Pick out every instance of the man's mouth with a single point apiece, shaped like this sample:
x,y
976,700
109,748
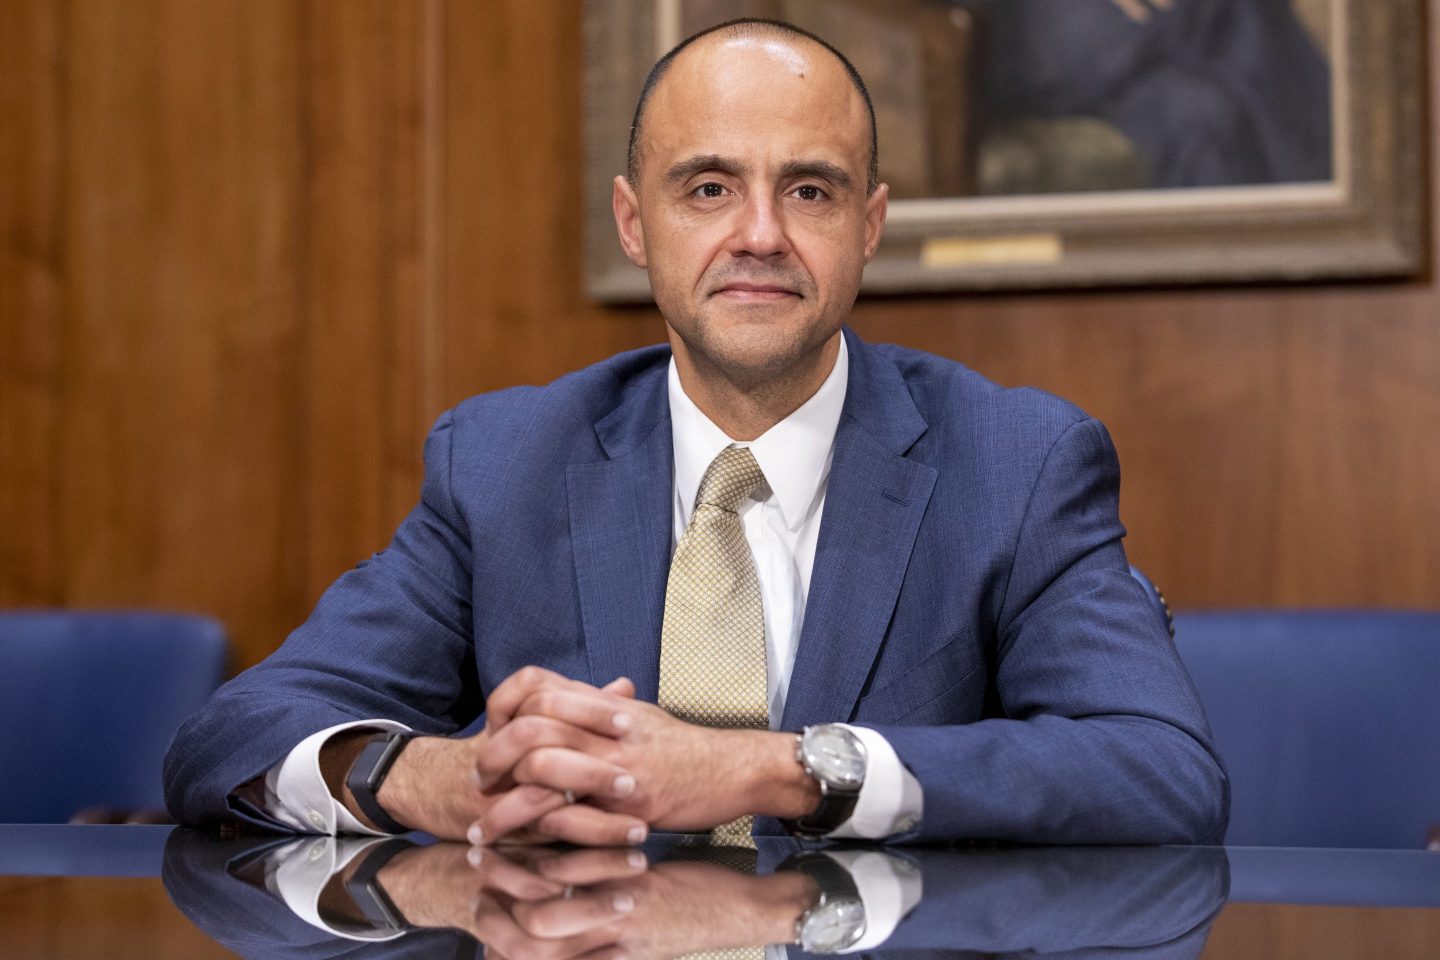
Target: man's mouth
x,y
755,292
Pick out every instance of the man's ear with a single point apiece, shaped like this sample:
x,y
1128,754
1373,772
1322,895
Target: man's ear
x,y
627,220
876,206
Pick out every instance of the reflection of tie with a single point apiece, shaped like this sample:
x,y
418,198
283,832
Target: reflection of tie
x,y
712,646
724,852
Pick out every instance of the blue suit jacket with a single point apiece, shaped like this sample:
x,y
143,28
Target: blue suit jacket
x,y
970,600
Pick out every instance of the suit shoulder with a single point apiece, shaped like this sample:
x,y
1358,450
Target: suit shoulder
x,y
568,406
950,394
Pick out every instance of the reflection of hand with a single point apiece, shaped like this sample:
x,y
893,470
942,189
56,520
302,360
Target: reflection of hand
x,y
556,905
433,784
496,898
1140,10
686,777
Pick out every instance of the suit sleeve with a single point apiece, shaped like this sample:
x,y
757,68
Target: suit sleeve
x,y
390,639
1099,736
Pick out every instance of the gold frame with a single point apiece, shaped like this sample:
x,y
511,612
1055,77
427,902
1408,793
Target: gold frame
x,y
1368,222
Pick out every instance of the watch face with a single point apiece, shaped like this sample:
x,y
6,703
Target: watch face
x,y
835,754
834,926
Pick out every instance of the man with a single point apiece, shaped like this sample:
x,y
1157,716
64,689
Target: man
x,y
895,542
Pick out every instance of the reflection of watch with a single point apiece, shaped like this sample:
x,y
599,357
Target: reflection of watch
x,y
369,896
835,757
837,920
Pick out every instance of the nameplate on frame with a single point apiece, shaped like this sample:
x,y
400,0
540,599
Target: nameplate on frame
x,y
942,252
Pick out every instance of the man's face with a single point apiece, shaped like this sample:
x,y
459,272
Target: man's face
x,y
750,211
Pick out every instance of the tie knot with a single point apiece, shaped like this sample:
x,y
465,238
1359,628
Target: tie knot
x,y
731,477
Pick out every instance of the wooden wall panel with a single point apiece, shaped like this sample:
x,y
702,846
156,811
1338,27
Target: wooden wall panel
x,y
370,133
151,308
513,305
249,250
181,311
219,301
31,152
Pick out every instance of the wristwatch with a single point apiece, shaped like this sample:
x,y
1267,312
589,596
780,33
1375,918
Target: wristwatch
x,y
836,922
835,758
369,771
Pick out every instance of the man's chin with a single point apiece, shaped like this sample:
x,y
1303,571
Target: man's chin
x,y
754,351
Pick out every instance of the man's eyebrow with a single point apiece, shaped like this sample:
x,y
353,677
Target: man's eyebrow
x,y
820,169
700,163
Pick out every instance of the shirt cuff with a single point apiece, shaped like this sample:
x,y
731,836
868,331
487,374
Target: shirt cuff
x,y
891,800
295,791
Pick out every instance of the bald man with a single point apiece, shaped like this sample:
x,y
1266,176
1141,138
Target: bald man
x,y
952,645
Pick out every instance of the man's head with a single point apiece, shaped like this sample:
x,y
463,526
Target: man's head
x,y
751,201
751,26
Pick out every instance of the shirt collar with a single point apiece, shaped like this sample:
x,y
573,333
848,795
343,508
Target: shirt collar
x,y
794,454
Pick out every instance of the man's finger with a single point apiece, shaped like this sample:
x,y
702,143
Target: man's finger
x,y
526,733
513,810
585,707
500,705
587,826
621,687
582,775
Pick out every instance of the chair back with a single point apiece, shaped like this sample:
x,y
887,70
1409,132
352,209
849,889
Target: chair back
x,y
89,703
1328,722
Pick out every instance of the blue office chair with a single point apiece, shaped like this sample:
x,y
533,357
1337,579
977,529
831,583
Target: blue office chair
x,y
89,703
1327,721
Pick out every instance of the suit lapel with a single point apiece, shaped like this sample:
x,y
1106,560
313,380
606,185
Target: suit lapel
x,y
873,506
620,519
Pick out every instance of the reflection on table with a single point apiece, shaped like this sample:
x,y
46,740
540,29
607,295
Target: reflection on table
x,y
323,897
70,891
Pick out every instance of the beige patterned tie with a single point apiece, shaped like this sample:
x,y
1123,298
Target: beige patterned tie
x,y
712,646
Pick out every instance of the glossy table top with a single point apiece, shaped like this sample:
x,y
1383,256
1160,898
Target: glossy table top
x,y
123,891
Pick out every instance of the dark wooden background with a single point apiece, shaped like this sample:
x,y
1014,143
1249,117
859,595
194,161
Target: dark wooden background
x,y
250,248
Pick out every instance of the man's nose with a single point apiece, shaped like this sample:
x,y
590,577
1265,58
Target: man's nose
x,y
760,228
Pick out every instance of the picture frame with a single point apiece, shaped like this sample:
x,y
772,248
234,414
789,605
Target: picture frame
x,y
1367,221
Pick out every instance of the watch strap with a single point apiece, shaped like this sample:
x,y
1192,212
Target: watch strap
x,y
368,773
834,809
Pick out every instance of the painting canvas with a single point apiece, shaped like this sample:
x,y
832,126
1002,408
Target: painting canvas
x,y
1078,143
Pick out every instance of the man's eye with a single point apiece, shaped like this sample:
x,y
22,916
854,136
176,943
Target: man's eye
x,y
810,193
710,191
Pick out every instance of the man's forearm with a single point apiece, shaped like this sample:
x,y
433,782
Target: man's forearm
x,y
773,779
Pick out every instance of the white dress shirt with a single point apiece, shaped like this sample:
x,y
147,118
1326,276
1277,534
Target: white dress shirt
x,y
782,526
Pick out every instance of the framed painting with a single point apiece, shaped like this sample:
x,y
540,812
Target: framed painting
x,y
1035,144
